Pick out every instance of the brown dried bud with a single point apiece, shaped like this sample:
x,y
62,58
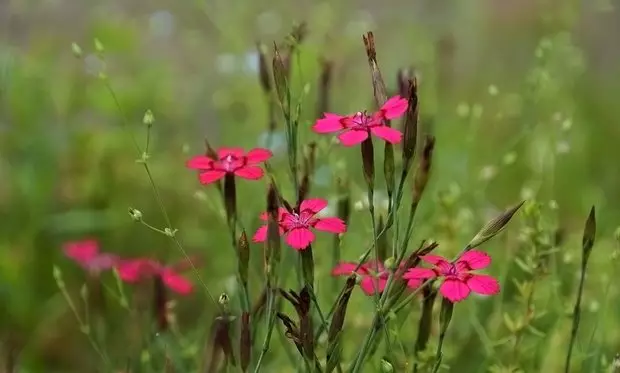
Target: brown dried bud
x,y
263,68
335,329
368,162
324,88
493,227
245,342
301,302
244,258
291,332
589,234
410,126
422,173
402,79
221,341
380,92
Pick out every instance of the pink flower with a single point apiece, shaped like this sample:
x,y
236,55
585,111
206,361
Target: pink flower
x,y
297,226
230,161
368,273
86,253
459,281
136,270
356,128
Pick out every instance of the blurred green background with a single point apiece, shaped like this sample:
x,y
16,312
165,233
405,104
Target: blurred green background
x,y
521,95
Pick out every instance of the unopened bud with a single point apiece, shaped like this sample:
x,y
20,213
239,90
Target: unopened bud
x,y
77,50
136,215
148,118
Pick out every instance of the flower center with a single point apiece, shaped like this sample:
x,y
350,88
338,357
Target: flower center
x,y
230,163
361,120
301,220
452,271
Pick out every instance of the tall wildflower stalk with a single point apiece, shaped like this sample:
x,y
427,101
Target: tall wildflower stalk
x,y
589,235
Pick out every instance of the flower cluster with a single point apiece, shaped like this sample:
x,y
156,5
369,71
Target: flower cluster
x,y
88,255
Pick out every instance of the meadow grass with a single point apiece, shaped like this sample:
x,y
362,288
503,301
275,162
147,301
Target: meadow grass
x,y
94,140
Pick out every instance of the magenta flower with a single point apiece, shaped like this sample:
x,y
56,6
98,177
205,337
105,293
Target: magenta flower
x,y
356,128
141,269
230,161
459,281
297,226
86,253
368,272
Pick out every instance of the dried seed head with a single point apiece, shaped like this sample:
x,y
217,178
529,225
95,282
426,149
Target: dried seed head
x,y
368,162
221,341
263,68
410,126
589,235
403,80
380,92
245,342
243,246
422,173
301,302
292,332
493,227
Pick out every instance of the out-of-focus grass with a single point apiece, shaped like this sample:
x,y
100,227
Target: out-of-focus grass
x,y
522,114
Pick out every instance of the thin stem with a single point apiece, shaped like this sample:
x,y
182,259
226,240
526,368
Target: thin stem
x,y
158,198
576,318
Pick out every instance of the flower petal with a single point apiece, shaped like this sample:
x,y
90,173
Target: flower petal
x,y
419,274
258,155
391,135
235,152
176,282
369,284
250,172
130,270
414,283
82,251
454,290
260,235
352,137
345,269
200,162
264,216
442,264
313,205
483,284
331,225
475,259
299,238
327,124
208,177
394,107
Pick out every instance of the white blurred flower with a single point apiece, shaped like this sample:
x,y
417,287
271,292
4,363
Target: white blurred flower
x,y
93,64
251,62
230,285
488,172
510,158
161,24
329,210
381,202
527,193
274,141
323,175
462,110
562,147
594,306
269,22
477,110
226,63
493,91
567,124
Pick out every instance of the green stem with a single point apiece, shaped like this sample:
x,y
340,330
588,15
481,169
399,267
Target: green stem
x,y
576,318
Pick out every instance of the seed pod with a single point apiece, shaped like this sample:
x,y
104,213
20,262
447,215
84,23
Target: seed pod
x,y
307,266
493,227
263,68
245,342
160,301
410,125
335,329
280,73
368,162
379,90
422,173
230,200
